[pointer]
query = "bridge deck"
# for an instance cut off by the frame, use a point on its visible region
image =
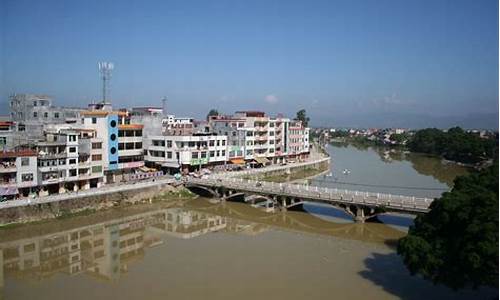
(319, 194)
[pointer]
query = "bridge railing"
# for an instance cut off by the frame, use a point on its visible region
(319, 193)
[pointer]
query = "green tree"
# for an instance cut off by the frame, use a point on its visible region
(301, 116)
(212, 112)
(399, 138)
(455, 144)
(456, 243)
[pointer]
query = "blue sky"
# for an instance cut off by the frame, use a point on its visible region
(343, 61)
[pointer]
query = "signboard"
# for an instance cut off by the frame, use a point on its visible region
(199, 161)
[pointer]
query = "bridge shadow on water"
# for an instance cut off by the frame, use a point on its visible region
(389, 272)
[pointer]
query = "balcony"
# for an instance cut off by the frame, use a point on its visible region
(43, 155)
(261, 128)
(7, 168)
(8, 184)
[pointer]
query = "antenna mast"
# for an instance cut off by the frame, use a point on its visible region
(105, 69)
(164, 106)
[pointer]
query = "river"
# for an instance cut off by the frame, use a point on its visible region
(200, 250)
(384, 170)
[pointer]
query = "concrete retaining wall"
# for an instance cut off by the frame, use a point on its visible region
(38, 212)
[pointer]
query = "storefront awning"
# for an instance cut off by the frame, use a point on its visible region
(237, 161)
(262, 160)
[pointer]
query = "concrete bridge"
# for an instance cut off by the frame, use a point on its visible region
(360, 205)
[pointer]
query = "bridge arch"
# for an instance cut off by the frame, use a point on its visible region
(202, 190)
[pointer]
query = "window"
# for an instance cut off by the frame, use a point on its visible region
(72, 161)
(29, 247)
(159, 143)
(72, 149)
(211, 143)
(121, 146)
(223, 152)
(138, 133)
(212, 153)
(34, 103)
(194, 155)
(113, 150)
(27, 177)
(218, 152)
(169, 144)
(72, 172)
(96, 145)
(218, 143)
(120, 133)
(25, 161)
(45, 114)
(72, 138)
(21, 127)
(112, 123)
(138, 145)
(35, 114)
(223, 142)
(56, 115)
(112, 137)
(94, 120)
(96, 169)
(169, 155)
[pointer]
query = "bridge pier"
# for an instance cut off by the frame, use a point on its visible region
(360, 215)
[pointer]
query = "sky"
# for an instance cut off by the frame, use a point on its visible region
(366, 63)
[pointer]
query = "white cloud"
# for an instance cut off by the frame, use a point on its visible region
(271, 99)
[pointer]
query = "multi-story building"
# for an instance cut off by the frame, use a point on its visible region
(69, 160)
(254, 138)
(236, 132)
(121, 141)
(298, 145)
(18, 173)
(32, 112)
(187, 153)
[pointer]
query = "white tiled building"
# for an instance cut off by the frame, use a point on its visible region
(187, 152)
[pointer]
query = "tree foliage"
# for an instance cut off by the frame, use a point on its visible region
(301, 116)
(455, 144)
(456, 243)
(212, 112)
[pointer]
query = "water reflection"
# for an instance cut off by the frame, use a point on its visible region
(105, 250)
(197, 243)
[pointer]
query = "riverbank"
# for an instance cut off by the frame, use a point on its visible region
(84, 205)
